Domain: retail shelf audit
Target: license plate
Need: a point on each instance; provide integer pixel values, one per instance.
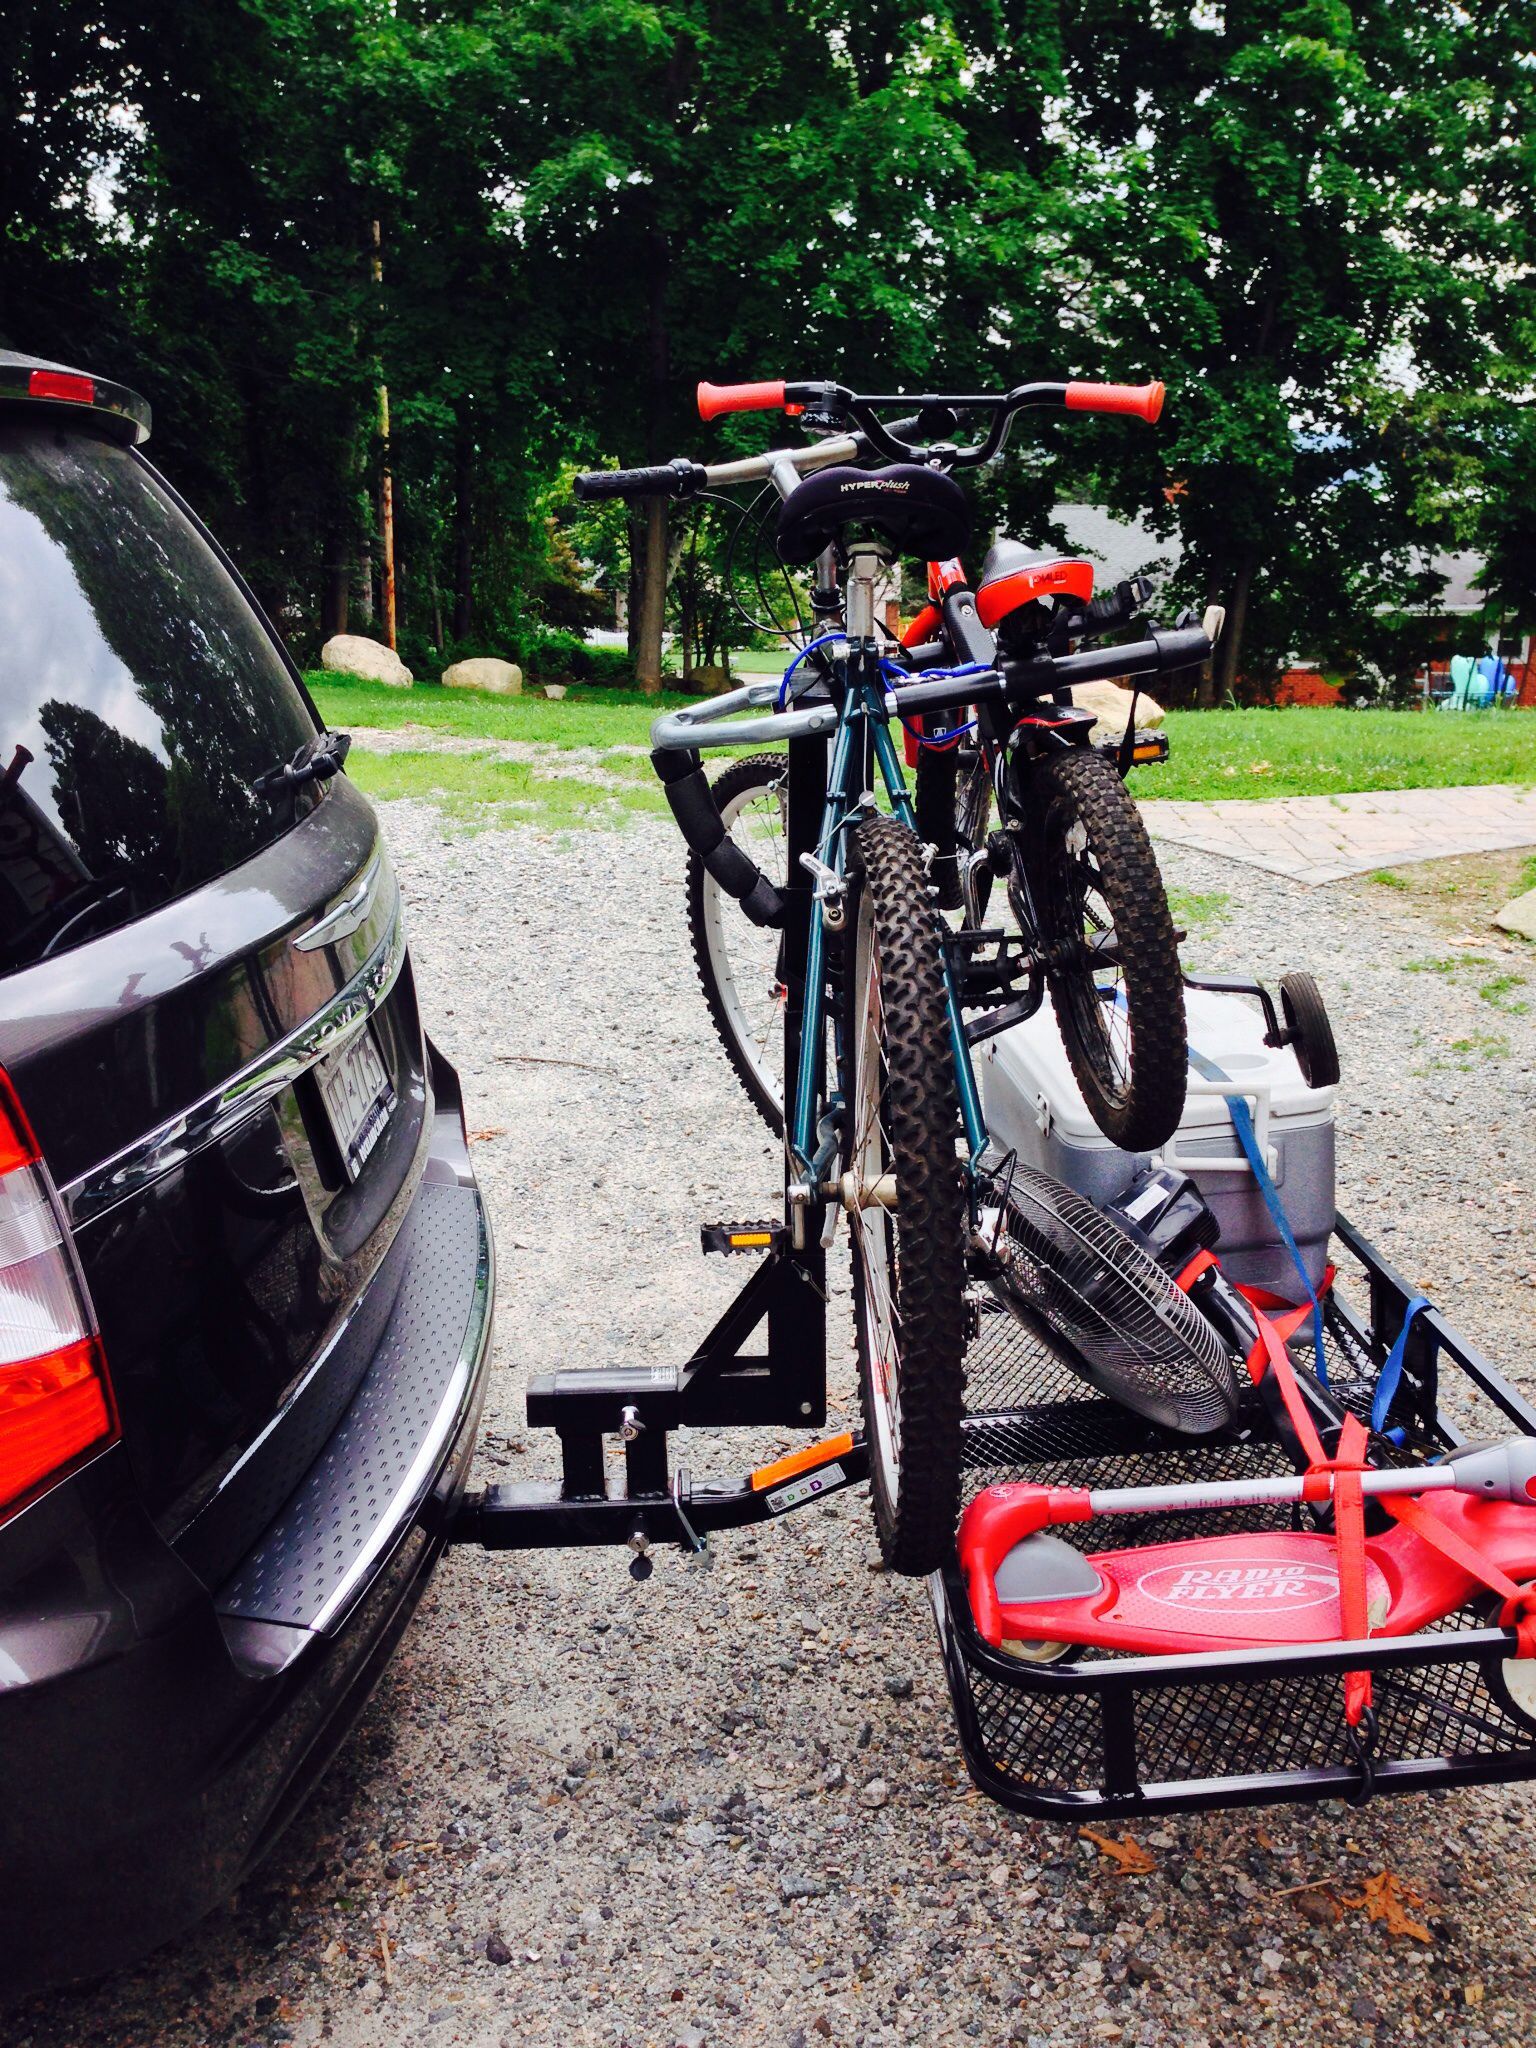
(358, 1097)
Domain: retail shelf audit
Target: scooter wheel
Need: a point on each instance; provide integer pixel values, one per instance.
(1306, 1019)
(1511, 1680)
(1041, 1653)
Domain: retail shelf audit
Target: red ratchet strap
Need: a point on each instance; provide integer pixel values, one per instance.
(1519, 1609)
(1337, 1477)
(1202, 1262)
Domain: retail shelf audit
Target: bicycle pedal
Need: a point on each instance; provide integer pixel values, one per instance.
(741, 1237)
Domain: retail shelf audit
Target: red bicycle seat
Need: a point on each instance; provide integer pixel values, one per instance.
(1013, 575)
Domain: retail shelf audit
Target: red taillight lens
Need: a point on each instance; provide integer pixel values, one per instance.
(61, 384)
(55, 1401)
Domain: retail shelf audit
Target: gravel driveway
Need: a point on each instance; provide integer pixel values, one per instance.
(728, 1807)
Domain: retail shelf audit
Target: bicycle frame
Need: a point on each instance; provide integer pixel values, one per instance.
(861, 741)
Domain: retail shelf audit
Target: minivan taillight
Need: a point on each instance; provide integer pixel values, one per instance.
(55, 1399)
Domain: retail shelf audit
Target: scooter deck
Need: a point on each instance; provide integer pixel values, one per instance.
(1253, 1591)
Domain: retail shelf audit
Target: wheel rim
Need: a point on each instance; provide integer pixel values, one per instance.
(1094, 988)
(745, 957)
(872, 1224)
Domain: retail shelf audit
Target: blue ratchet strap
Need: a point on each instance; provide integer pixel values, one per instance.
(1392, 1371)
(1247, 1137)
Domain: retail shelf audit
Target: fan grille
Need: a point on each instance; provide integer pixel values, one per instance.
(1137, 1336)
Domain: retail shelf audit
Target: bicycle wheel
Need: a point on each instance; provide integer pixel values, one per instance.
(906, 1201)
(740, 964)
(1111, 957)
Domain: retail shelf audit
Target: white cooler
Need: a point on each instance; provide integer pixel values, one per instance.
(1033, 1106)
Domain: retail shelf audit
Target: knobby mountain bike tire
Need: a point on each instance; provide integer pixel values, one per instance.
(906, 1199)
(1092, 874)
(740, 964)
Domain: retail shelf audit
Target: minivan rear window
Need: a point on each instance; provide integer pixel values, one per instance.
(140, 697)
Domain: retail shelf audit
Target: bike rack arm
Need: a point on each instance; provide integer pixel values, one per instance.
(685, 729)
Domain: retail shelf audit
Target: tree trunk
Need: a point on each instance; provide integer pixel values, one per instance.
(653, 597)
(1229, 650)
(653, 575)
(335, 587)
(463, 527)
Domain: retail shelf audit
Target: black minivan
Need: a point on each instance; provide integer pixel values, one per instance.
(245, 1270)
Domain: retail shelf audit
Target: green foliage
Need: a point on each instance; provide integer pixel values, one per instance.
(1313, 219)
(565, 658)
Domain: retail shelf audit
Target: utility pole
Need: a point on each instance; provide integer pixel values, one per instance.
(386, 480)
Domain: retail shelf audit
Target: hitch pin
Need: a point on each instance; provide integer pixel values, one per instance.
(692, 1540)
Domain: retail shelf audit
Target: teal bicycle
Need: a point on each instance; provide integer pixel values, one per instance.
(879, 998)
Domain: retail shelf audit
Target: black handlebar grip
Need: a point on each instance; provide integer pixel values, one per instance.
(679, 478)
(1182, 646)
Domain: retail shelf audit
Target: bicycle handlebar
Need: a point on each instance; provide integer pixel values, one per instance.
(1141, 401)
(836, 401)
(679, 478)
(715, 399)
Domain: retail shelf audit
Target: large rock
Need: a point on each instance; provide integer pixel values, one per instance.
(709, 681)
(1111, 707)
(352, 654)
(1519, 916)
(485, 672)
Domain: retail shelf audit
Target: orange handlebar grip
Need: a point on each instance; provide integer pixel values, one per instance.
(715, 399)
(1142, 401)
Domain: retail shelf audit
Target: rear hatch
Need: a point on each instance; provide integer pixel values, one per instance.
(205, 1004)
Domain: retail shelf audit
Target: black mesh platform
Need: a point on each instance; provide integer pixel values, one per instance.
(1105, 1734)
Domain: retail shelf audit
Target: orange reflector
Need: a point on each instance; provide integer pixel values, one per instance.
(747, 1240)
(51, 1409)
(801, 1461)
(1146, 753)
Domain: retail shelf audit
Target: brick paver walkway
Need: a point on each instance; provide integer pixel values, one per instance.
(1320, 838)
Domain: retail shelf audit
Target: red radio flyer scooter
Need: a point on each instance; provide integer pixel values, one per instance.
(1459, 1528)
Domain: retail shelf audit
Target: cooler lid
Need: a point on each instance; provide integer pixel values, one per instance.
(1226, 1030)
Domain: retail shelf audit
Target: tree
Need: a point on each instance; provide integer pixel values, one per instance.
(1320, 222)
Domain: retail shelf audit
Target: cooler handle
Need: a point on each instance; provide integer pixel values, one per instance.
(1257, 1094)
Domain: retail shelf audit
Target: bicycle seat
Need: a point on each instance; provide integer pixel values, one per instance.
(1013, 575)
(921, 511)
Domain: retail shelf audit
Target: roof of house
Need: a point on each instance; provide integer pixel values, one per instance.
(1128, 547)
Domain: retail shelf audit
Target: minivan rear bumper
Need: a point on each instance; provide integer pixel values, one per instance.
(155, 1736)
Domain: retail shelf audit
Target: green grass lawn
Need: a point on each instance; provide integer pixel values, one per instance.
(588, 717)
(1249, 754)
(477, 792)
(1260, 754)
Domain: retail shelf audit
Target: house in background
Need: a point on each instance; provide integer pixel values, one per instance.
(1122, 548)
